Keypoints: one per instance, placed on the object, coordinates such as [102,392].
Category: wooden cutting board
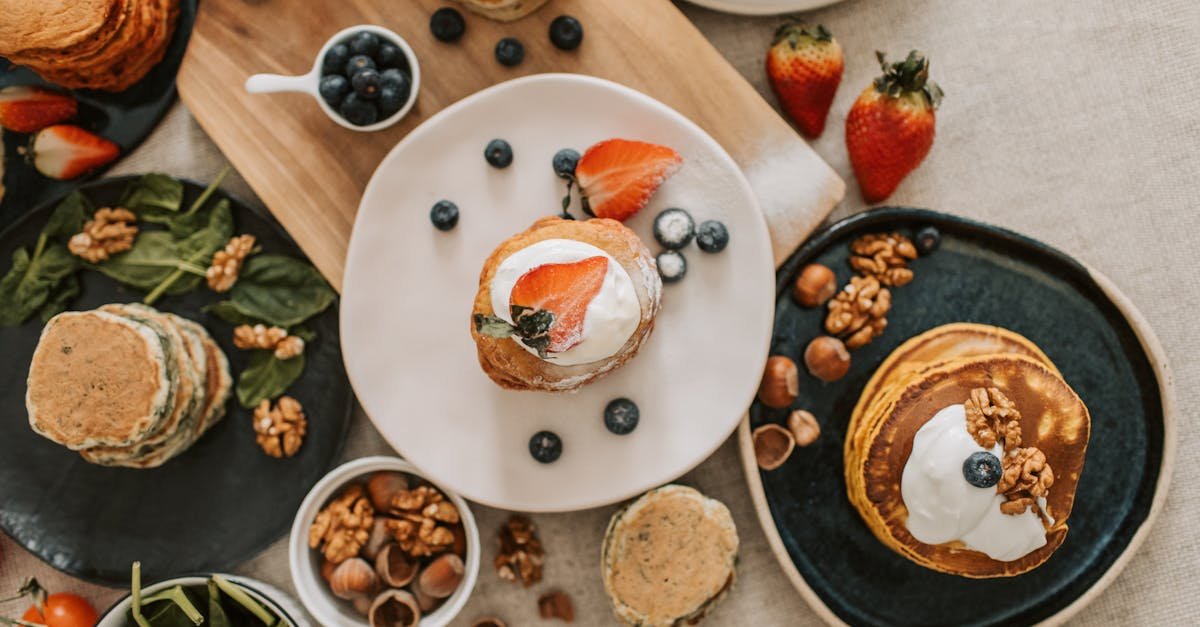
[311,172]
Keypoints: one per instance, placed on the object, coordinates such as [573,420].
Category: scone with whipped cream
[564,303]
[968,463]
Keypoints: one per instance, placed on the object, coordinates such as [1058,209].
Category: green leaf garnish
[267,377]
[532,326]
[280,290]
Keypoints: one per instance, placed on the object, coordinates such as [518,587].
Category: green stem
[243,599]
[135,591]
[41,246]
[166,284]
[208,191]
[176,596]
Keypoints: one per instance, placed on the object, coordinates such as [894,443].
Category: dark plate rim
[238,205]
[1155,356]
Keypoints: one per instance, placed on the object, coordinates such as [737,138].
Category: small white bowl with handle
[310,83]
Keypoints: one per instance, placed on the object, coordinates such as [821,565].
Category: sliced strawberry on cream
[566,301]
[617,177]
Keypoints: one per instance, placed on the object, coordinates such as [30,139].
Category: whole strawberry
[805,67]
[890,127]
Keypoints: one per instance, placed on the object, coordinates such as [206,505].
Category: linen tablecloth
[1075,122]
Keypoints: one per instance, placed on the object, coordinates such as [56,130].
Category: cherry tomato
[63,610]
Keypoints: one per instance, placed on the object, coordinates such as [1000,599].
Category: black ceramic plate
[979,274]
[212,507]
[125,118]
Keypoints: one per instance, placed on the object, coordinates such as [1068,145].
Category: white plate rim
[757,219]
[775,8]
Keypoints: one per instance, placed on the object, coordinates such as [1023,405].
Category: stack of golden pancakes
[87,44]
[1024,410]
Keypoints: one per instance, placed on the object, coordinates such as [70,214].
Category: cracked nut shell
[488,621]
[772,446]
[804,427]
[815,285]
[780,383]
[395,567]
[442,576]
[827,358]
[394,608]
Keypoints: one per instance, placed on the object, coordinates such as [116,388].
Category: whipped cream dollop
[611,317]
[943,507]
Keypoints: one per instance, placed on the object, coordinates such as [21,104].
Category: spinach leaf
[154,256]
[266,377]
[60,297]
[280,290]
[32,280]
[68,217]
[226,310]
[153,194]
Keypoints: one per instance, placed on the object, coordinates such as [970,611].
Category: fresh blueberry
[447,24]
[390,56]
[357,111]
[498,153]
[335,60]
[672,266]
[545,446]
[621,416]
[333,88]
[982,469]
[391,100]
[357,63]
[510,51]
[367,84]
[712,236]
[565,161]
[674,228]
[928,239]
[395,77]
[444,215]
[364,43]
[566,32]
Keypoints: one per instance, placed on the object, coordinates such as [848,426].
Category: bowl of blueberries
[365,78]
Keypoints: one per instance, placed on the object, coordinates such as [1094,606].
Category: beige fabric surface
[1075,122]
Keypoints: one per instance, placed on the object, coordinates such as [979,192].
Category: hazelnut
[780,383]
[488,621]
[383,486]
[424,601]
[556,605]
[827,358]
[352,578]
[327,568]
[395,567]
[442,576]
[772,446]
[379,538]
[815,285]
[804,427]
[394,608]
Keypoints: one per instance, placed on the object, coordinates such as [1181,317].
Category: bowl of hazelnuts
[375,544]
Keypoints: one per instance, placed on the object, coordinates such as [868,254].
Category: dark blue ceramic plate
[209,509]
[983,274]
[125,118]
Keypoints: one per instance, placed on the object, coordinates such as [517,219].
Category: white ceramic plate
[763,7]
[409,288]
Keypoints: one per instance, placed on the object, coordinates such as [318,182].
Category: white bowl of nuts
[376,544]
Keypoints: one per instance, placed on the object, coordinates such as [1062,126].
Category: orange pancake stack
[87,44]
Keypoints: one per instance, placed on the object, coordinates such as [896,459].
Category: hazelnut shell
[395,567]
[442,576]
[488,621]
[804,427]
[353,577]
[814,285]
[772,446]
[394,608]
[826,358]
[382,486]
[780,383]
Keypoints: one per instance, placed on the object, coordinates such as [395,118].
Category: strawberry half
[617,177]
[26,109]
[565,290]
[65,152]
